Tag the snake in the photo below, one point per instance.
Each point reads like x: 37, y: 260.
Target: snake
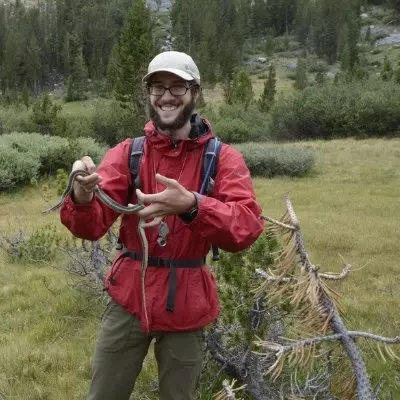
x: 119, y: 208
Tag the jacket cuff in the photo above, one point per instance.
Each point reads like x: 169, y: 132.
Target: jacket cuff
x: 70, y: 204
x: 190, y: 215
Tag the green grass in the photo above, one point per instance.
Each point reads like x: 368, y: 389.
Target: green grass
x: 348, y: 206
x: 48, y: 328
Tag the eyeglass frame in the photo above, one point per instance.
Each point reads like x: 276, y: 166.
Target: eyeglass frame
x: 149, y: 86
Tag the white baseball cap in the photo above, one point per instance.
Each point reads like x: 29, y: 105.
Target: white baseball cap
x: 177, y: 63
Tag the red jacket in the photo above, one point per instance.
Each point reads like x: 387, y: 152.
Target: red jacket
x: 228, y: 219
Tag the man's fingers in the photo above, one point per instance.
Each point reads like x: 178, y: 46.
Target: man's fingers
x: 166, y: 181
x: 151, y: 211
x: 89, y: 181
x: 156, y: 221
x: 149, y: 198
x: 90, y: 165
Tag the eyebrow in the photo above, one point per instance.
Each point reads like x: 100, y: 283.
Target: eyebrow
x: 178, y: 81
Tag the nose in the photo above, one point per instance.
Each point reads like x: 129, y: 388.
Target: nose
x: 167, y: 94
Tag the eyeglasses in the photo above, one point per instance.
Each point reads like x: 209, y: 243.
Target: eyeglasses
x: 175, y: 90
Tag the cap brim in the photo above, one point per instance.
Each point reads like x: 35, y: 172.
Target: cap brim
x: 181, y: 74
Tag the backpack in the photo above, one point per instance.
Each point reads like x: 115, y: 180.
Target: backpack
x: 208, y: 170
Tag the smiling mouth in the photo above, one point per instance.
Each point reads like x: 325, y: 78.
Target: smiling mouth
x: 168, y: 108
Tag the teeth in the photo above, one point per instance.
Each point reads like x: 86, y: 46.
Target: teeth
x: 168, y: 108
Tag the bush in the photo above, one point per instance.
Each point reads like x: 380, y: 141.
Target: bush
x: 24, y: 156
x: 234, y: 124
x: 111, y: 123
x: 315, y: 65
x: 14, y: 119
x: 79, y: 126
x: 268, y: 161
x: 46, y: 117
x: 355, y: 109
x: 16, y: 167
x: 40, y: 246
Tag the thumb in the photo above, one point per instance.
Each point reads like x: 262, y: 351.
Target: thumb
x: 166, y: 181
x: 140, y: 196
x: 78, y: 164
x: 90, y: 165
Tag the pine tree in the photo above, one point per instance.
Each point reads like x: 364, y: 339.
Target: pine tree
x: 25, y: 95
x: 34, y: 63
x: 345, y: 56
x: 78, y: 75
x: 269, y: 43
x: 387, y: 70
x: 303, y: 19
x: 66, y: 55
x: 132, y: 54
x: 242, y: 90
x: 301, y: 74
x: 268, y: 95
x: 397, y: 75
x: 320, y: 78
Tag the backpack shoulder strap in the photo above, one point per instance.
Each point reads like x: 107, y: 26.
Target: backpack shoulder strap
x: 135, y: 157
x: 208, y: 173
x: 209, y: 165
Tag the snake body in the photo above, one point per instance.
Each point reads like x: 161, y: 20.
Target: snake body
x: 121, y: 209
x: 107, y: 200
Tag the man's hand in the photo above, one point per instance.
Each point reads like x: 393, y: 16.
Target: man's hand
x: 174, y: 199
x: 84, y: 186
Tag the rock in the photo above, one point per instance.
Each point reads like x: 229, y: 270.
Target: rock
x: 291, y: 66
x: 261, y: 59
x: 376, y: 32
x: 394, y: 38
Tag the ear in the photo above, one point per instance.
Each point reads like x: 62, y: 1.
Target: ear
x: 196, y: 93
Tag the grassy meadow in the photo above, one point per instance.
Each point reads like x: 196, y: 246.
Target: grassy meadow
x: 348, y: 206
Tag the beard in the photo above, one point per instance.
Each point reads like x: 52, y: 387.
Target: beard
x: 182, y: 118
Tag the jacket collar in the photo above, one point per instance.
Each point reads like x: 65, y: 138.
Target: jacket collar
x: 199, y: 134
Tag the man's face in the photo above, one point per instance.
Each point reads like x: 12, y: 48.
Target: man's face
x: 170, y: 111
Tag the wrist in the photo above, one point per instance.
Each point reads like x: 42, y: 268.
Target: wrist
x: 80, y: 196
x: 190, y: 214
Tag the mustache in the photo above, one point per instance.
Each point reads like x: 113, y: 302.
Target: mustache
x: 179, y: 121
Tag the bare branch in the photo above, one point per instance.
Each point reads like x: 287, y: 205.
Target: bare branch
x: 320, y: 339
x: 276, y: 222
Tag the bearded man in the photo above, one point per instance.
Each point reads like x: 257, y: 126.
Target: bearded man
x: 180, y: 295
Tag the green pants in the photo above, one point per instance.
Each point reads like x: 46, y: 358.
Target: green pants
x: 121, y: 348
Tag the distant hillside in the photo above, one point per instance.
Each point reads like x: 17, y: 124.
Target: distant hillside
x: 159, y: 5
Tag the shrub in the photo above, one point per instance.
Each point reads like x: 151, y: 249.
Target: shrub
x: 79, y: 126
x: 88, y: 146
x: 269, y: 161
x: 232, y: 130
x: 14, y: 119
x: 37, y: 247
x: 355, y: 109
x: 234, y: 124
x: 243, y: 316
x: 26, y: 155
x: 46, y: 117
x: 315, y: 65
x: 16, y: 167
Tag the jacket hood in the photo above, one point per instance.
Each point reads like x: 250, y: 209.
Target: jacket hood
x: 199, y: 134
